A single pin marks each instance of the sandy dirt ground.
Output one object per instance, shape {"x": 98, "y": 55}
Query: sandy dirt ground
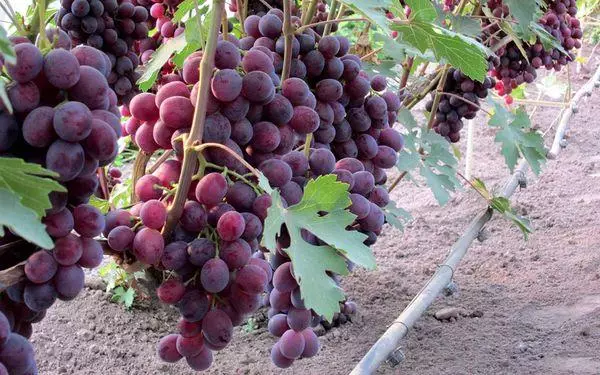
{"x": 533, "y": 306}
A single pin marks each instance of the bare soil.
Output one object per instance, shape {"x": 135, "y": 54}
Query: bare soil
{"x": 538, "y": 301}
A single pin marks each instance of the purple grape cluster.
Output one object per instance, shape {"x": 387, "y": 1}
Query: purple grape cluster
{"x": 462, "y": 103}
{"x": 266, "y": 122}
{"x": 71, "y": 137}
{"x": 16, "y": 353}
{"x": 111, "y": 26}
{"x": 511, "y": 68}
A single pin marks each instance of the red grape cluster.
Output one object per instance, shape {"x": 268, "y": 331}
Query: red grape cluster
{"x": 449, "y": 5}
{"x": 16, "y": 353}
{"x": 111, "y": 26}
{"x": 71, "y": 137}
{"x": 511, "y": 68}
{"x": 264, "y": 121}
{"x": 460, "y": 100}
{"x": 321, "y": 15}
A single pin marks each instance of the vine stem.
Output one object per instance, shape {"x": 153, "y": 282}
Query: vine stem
{"x": 288, "y": 34}
{"x": 408, "y": 64}
{"x": 438, "y": 96}
{"x": 310, "y": 11}
{"x": 397, "y": 181}
{"x": 375, "y": 51}
{"x": 190, "y": 158}
{"x": 467, "y": 101}
{"x": 331, "y": 17}
{"x": 43, "y": 42}
{"x": 139, "y": 169}
{"x": 166, "y": 155}
{"x": 242, "y": 13}
{"x": 309, "y": 26}
{"x": 10, "y": 13}
{"x": 204, "y": 146}
{"x": 103, "y": 183}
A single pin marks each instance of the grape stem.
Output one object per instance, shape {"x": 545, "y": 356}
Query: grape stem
{"x": 41, "y": 9}
{"x": 330, "y": 17}
{"x": 204, "y": 146}
{"x": 307, "y": 142}
{"x": 190, "y": 160}
{"x": 407, "y": 65}
{"x": 101, "y": 172}
{"x": 139, "y": 169}
{"x": 166, "y": 155}
{"x": 468, "y": 102}
{"x": 309, "y": 26}
{"x": 310, "y": 11}
{"x": 288, "y": 34}
{"x": 397, "y": 181}
{"x": 266, "y": 4}
{"x": 234, "y": 174}
{"x": 242, "y": 14}
{"x": 10, "y": 13}
{"x": 363, "y": 58}
{"x": 438, "y": 96}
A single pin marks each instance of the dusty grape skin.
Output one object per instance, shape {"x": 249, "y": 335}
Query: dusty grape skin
{"x": 59, "y": 224}
{"x": 193, "y": 306}
{"x": 279, "y": 359}
{"x": 201, "y": 361}
{"x": 69, "y": 281}
{"x": 89, "y": 221}
{"x": 292, "y": 344}
{"x": 167, "y": 349}
{"x": 39, "y": 297}
{"x": 171, "y": 291}
{"x": 235, "y": 253}
{"x": 92, "y": 253}
{"x": 214, "y": 275}
{"x": 101, "y": 143}
{"x": 40, "y": 267}
{"x": 148, "y": 246}
{"x": 177, "y": 112}
{"x": 29, "y": 63}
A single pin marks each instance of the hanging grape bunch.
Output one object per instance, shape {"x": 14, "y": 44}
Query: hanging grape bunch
{"x": 460, "y": 100}
{"x": 511, "y": 68}
{"x": 113, "y": 27}
{"x": 222, "y": 222}
{"x": 62, "y": 121}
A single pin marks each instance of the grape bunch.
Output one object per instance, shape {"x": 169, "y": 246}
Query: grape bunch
{"x": 263, "y": 121}
{"x": 450, "y": 5}
{"x": 460, "y": 99}
{"x": 511, "y": 67}
{"x": 71, "y": 137}
{"x": 111, "y": 26}
{"x": 321, "y": 15}
{"x": 16, "y": 353}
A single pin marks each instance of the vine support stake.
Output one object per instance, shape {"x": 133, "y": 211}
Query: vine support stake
{"x": 190, "y": 158}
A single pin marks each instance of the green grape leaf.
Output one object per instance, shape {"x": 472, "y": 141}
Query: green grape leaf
{"x": 102, "y": 204}
{"x": 430, "y": 155}
{"x": 22, "y": 220}
{"x": 525, "y": 13}
{"x": 396, "y": 216}
{"x": 548, "y": 40}
{"x": 502, "y": 206}
{"x": 461, "y": 52}
{"x": 6, "y": 48}
{"x": 29, "y": 182}
{"x": 374, "y": 10}
{"x": 159, "y": 59}
{"x": 184, "y": 10}
{"x": 422, "y": 32}
{"x": 322, "y": 212}
{"x": 517, "y": 138}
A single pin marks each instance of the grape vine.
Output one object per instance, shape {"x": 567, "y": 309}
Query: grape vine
{"x": 271, "y": 140}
